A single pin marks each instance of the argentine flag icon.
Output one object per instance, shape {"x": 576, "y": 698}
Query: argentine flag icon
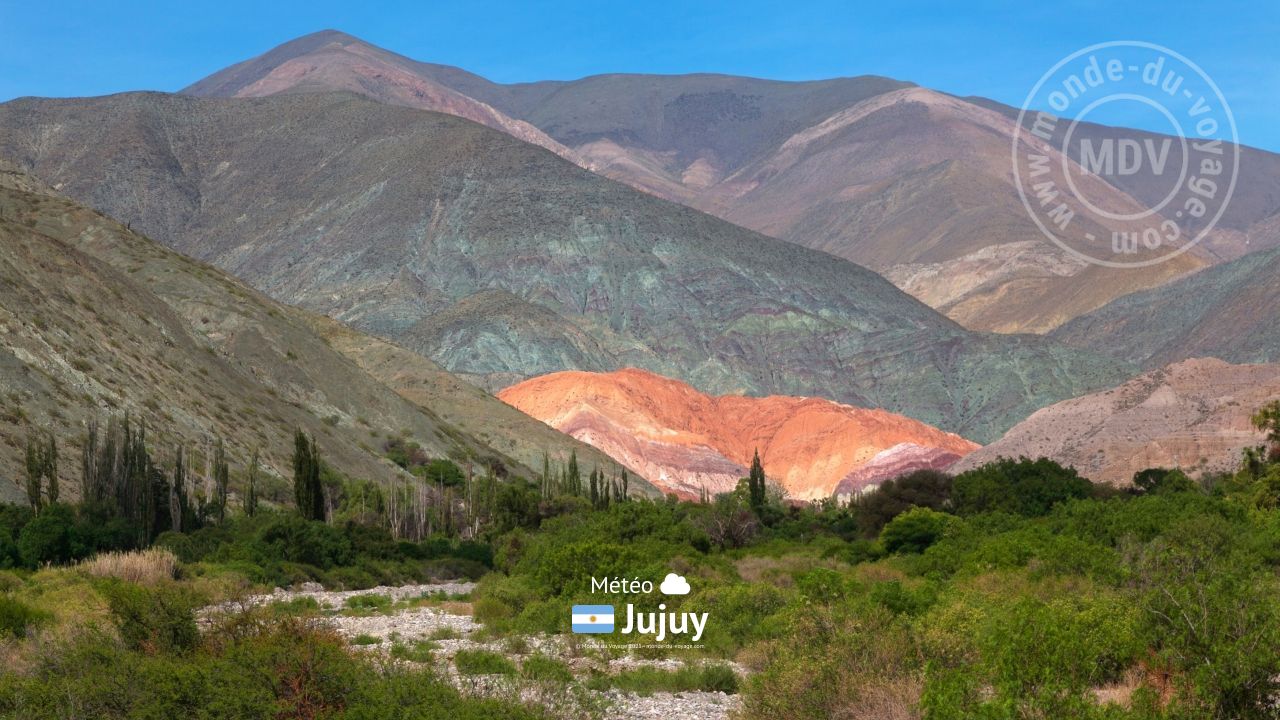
{"x": 593, "y": 619}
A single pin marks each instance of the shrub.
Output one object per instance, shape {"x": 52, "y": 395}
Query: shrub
{"x": 491, "y": 611}
{"x": 1160, "y": 480}
{"x": 846, "y": 667}
{"x": 717, "y": 677}
{"x": 305, "y": 605}
{"x": 1023, "y": 487}
{"x": 689, "y": 678}
{"x": 541, "y": 668}
{"x": 482, "y": 662}
{"x": 157, "y": 619}
{"x": 17, "y": 619}
{"x": 421, "y": 651}
{"x": 922, "y": 488}
{"x": 915, "y": 530}
{"x": 47, "y": 538}
{"x": 372, "y": 602}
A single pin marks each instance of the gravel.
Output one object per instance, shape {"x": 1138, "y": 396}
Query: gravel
{"x": 580, "y": 654}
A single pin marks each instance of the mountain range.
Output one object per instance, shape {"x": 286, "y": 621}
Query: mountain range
{"x": 502, "y": 261}
{"x": 98, "y": 321}
{"x": 907, "y": 181}
{"x": 835, "y": 248}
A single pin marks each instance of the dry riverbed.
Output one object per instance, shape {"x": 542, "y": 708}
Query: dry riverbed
{"x": 437, "y": 618}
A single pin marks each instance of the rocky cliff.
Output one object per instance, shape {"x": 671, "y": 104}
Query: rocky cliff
{"x": 685, "y": 441}
{"x": 1192, "y": 415}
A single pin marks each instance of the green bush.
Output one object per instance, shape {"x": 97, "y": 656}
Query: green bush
{"x": 922, "y": 488}
{"x": 915, "y": 530}
{"x": 152, "y": 619}
{"x": 1022, "y": 487}
{"x": 47, "y": 538}
{"x": 372, "y": 602}
{"x": 421, "y": 651}
{"x": 17, "y": 619}
{"x": 482, "y": 662}
{"x": 541, "y": 668}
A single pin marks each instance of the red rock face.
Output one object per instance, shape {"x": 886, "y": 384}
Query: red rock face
{"x": 685, "y": 441}
{"x": 1192, "y": 415}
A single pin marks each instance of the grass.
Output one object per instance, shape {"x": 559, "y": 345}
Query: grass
{"x": 541, "y": 668}
{"x": 648, "y": 680}
{"x": 445, "y": 633}
{"x": 146, "y": 567}
{"x": 297, "y": 606}
{"x": 421, "y": 651}
{"x": 483, "y": 662}
{"x": 364, "y": 639}
{"x": 369, "y": 604}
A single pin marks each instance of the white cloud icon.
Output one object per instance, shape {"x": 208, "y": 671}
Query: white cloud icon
{"x": 674, "y": 584}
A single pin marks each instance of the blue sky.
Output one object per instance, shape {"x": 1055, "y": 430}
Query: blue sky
{"x": 994, "y": 49}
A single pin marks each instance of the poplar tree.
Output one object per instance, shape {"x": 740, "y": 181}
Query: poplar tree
{"x": 35, "y": 471}
{"x": 251, "y": 486}
{"x": 221, "y": 477}
{"x": 756, "y": 483}
{"x": 574, "y": 476}
{"x": 308, "y": 493}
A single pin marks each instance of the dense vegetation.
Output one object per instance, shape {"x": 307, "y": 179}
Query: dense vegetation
{"x": 1015, "y": 590}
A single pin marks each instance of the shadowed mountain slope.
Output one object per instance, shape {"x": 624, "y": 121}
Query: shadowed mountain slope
{"x": 502, "y": 261}
{"x": 96, "y": 320}
{"x": 1228, "y": 311}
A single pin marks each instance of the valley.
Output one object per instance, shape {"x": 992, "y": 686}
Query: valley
{"x": 341, "y": 385}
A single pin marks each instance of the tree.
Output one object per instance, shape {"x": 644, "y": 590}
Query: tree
{"x": 573, "y": 478}
{"x": 1022, "y": 487}
{"x": 178, "y": 494}
{"x": 1211, "y": 604}
{"x": 35, "y": 471}
{"x": 41, "y": 466}
{"x": 308, "y": 492}
{"x": 915, "y": 530}
{"x": 221, "y": 477}
{"x": 51, "y": 470}
{"x": 251, "y": 486}
{"x": 922, "y": 488}
{"x": 47, "y": 538}
{"x": 1267, "y": 420}
{"x": 1160, "y": 481}
{"x": 729, "y": 524}
{"x": 756, "y": 484}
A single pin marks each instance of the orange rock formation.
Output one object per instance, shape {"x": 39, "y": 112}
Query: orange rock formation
{"x": 684, "y": 441}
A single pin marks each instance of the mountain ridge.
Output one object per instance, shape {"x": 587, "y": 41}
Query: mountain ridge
{"x": 381, "y": 216}
{"x": 692, "y": 138}
{"x": 196, "y": 354}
